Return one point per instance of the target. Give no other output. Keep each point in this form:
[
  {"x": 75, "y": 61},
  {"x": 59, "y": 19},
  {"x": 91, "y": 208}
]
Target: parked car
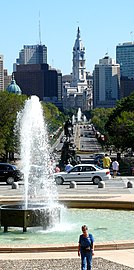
[
  {"x": 9, "y": 173},
  {"x": 83, "y": 173}
]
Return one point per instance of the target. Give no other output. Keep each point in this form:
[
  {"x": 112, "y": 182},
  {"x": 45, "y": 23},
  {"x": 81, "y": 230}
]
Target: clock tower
[{"x": 79, "y": 69}]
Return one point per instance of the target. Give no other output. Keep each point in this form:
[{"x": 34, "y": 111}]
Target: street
[{"x": 112, "y": 186}]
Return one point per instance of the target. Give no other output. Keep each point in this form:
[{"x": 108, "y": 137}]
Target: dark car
[{"x": 9, "y": 173}]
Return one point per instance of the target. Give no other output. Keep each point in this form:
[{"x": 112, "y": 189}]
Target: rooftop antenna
[
  {"x": 106, "y": 54},
  {"x": 77, "y": 23},
  {"x": 132, "y": 37},
  {"x": 39, "y": 30},
  {"x": 78, "y": 30},
  {"x": 52, "y": 63}
]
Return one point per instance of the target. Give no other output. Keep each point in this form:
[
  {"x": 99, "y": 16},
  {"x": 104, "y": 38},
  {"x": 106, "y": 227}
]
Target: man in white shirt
[{"x": 115, "y": 167}]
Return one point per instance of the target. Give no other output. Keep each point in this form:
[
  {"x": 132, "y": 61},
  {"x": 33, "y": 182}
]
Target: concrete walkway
[
  {"x": 123, "y": 254},
  {"x": 125, "y": 257}
]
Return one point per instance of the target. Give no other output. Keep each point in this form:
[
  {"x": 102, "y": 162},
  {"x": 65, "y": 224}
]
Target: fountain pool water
[
  {"x": 40, "y": 191},
  {"x": 106, "y": 225}
]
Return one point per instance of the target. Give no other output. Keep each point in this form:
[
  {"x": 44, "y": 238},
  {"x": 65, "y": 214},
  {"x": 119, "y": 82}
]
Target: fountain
[
  {"x": 84, "y": 119},
  {"x": 73, "y": 119},
  {"x": 79, "y": 114},
  {"x": 105, "y": 224},
  {"x": 40, "y": 206}
]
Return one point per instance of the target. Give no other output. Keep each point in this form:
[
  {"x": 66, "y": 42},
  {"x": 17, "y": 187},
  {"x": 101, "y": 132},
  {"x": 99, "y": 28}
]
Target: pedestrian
[
  {"x": 100, "y": 162},
  {"x": 57, "y": 169},
  {"x": 68, "y": 167},
  {"x": 106, "y": 162},
  {"x": 115, "y": 167},
  {"x": 86, "y": 248}
]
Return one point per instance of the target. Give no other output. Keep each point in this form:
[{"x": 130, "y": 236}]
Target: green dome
[{"x": 14, "y": 88}]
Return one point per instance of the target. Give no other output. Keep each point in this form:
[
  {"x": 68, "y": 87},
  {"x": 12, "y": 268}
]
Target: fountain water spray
[
  {"x": 84, "y": 119},
  {"x": 34, "y": 153},
  {"x": 73, "y": 119},
  {"x": 79, "y": 114},
  {"x": 40, "y": 207}
]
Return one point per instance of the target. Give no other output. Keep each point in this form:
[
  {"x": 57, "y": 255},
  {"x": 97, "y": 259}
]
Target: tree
[
  {"x": 53, "y": 116},
  {"x": 10, "y": 104},
  {"x": 99, "y": 117},
  {"x": 120, "y": 125}
]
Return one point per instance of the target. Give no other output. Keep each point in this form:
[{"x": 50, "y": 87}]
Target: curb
[{"x": 112, "y": 245}]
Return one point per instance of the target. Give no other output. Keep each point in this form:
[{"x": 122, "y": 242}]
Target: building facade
[
  {"x": 32, "y": 54},
  {"x": 1, "y": 73},
  {"x": 7, "y": 79},
  {"x": 40, "y": 80},
  {"x": 125, "y": 57},
  {"x": 106, "y": 90},
  {"x": 75, "y": 89}
]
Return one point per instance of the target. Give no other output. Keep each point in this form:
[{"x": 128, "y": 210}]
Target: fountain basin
[
  {"x": 104, "y": 224},
  {"x": 33, "y": 216}
]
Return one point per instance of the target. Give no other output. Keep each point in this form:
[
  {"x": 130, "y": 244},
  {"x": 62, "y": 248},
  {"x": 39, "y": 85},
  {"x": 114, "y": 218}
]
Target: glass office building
[
  {"x": 125, "y": 57},
  {"x": 32, "y": 54},
  {"x": 106, "y": 90}
]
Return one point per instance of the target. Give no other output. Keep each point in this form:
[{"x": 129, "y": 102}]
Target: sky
[{"x": 103, "y": 25}]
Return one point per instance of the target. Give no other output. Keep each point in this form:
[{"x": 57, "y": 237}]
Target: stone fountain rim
[
  {"x": 111, "y": 202},
  {"x": 109, "y": 245},
  {"x": 21, "y": 207}
]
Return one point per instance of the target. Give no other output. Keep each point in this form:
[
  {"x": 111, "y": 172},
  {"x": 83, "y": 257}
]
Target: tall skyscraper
[
  {"x": 106, "y": 83},
  {"x": 1, "y": 73},
  {"x": 32, "y": 54},
  {"x": 125, "y": 57}
]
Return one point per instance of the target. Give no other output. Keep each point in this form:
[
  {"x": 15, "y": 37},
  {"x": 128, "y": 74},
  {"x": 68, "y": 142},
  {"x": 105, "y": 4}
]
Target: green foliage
[
  {"x": 99, "y": 117},
  {"x": 125, "y": 104},
  {"x": 53, "y": 116},
  {"x": 120, "y": 125},
  {"x": 70, "y": 112},
  {"x": 117, "y": 124},
  {"x": 10, "y": 104}
]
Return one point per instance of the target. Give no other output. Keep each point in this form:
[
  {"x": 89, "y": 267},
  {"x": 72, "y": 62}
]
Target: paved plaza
[{"x": 111, "y": 255}]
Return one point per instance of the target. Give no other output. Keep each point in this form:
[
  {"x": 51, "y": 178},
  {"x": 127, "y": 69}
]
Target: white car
[{"x": 83, "y": 173}]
